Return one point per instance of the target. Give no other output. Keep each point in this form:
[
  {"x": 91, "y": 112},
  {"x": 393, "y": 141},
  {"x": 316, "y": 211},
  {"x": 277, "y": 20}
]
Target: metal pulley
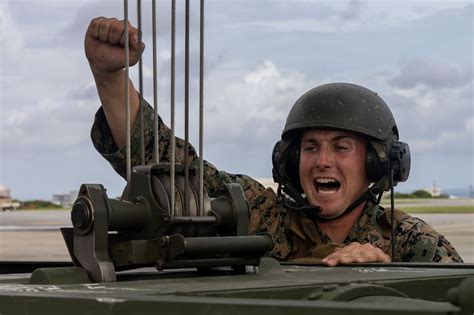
[{"x": 139, "y": 229}]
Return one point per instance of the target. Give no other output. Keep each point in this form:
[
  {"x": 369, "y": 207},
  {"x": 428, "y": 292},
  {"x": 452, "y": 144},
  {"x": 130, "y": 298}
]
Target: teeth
[
  {"x": 326, "y": 192},
  {"x": 327, "y": 185},
  {"x": 326, "y": 180}
]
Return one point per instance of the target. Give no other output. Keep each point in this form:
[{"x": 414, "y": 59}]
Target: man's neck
[{"x": 339, "y": 229}]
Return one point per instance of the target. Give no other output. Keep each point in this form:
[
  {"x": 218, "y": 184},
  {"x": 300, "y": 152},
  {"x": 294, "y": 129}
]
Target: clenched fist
[{"x": 104, "y": 45}]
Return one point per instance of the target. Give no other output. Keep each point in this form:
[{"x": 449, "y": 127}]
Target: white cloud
[
  {"x": 469, "y": 126},
  {"x": 253, "y": 101},
  {"x": 165, "y": 54},
  {"x": 435, "y": 114},
  {"x": 345, "y": 16},
  {"x": 10, "y": 36},
  {"x": 422, "y": 95},
  {"x": 47, "y": 126},
  {"x": 439, "y": 142},
  {"x": 424, "y": 73}
]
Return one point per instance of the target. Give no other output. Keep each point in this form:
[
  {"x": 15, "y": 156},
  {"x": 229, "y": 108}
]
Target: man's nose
[{"x": 325, "y": 159}]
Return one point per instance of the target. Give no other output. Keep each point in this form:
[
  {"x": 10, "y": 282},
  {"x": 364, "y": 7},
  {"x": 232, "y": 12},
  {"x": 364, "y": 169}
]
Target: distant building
[
  {"x": 6, "y": 202},
  {"x": 4, "y": 192},
  {"x": 433, "y": 191},
  {"x": 65, "y": 200}
]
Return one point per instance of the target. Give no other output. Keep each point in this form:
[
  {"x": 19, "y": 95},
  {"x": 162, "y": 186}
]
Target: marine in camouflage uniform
[{"x": 295, "y": 235}]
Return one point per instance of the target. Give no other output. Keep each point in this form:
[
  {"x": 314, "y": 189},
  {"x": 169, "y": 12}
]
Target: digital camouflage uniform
[{"x": 295, "y": 236}]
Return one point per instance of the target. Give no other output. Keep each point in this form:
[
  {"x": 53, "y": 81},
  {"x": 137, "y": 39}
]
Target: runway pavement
[{"x": 34, "y": 235}]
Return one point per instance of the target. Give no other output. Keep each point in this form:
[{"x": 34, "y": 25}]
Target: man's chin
[
  {"x": 329, "y": 213},
  {"x": 330, "y": 207}
]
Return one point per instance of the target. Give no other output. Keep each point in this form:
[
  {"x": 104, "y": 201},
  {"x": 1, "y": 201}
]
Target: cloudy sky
[{"x": 260, "y": 56}]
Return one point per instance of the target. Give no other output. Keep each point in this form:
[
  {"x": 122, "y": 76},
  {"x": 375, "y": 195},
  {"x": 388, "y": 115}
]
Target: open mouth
[{"x": 326, "y": 185}]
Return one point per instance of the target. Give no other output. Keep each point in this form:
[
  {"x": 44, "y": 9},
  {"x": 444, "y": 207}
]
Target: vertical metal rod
[
  {"x": 186, "y": 106},
  {"x": 140, "y": 83},
  {"x": 127, "y": 94},
  {"x": 201, "y": 108},
  {"x": 155, "y": 88},
  {"x": 173, "y": 139}
]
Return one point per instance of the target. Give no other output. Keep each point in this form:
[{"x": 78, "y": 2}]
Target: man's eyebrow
[
  {"x": 312, "y": 140},
  {"x": 342, "y": 137},
  {"x": 334, "y": 139}
]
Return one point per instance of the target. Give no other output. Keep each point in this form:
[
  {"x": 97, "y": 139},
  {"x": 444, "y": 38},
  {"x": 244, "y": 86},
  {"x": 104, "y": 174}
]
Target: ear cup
[
  {"x": 285, "y": 160},
  {"x": 401, "y": 161},
  {"x": 292, "y": 164},
  {"x": 278, "y": 170}
]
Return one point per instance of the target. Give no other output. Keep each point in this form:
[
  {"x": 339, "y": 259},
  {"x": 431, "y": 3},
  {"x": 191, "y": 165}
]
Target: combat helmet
[{"x": 349, "y": 107}]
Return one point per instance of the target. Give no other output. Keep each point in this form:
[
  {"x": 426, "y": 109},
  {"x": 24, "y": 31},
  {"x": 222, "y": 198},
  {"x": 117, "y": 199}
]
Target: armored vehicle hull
[{"x": 270, "y": 288}]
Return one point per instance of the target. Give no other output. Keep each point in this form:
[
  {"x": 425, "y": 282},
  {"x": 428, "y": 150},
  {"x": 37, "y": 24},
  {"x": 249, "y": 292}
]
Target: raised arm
[
  {"x": 105, "y": 51},
  {"x": 104, "y": 48}
]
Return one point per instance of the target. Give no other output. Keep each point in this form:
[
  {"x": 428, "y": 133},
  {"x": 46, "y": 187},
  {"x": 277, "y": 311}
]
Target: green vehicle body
[{"x": 269, "y": 289}]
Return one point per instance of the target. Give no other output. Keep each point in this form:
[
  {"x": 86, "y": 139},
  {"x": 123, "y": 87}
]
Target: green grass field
[
  {"x": 386, "y": 201},
  {"x": 432, "y": 208},
  {"x": 439, "y": 209},
  {"x": 423, "y": 205}
]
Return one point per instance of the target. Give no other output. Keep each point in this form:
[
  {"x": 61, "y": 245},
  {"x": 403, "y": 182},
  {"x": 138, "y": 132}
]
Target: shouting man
[{"x": 338, "y": 152}]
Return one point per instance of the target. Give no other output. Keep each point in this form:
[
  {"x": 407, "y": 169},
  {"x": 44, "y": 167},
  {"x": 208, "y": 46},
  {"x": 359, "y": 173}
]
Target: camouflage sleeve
[
  {"x": 421, "y": 243},
  {"x": 261, "y": 200},
  {"x": 104, "y": 143}
]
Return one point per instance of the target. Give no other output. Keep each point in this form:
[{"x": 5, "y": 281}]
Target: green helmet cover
[{"x": 342, "y": 106}]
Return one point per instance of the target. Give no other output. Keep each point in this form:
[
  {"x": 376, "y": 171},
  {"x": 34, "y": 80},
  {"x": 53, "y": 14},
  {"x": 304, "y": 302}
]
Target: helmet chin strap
[
  {"x": 299, "y": 204},
  {"x": 373, "y": 193}
]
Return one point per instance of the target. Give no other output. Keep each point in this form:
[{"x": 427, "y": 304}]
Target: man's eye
[
  {"x": 341, "y": 148},
  {"x": 309, "y": 148}
]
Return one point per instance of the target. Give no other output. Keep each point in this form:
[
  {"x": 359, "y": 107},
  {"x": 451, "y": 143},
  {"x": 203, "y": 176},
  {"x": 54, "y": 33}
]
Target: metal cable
[
  {"x": 186, "y": 107},
  {"x": 173, "y": 139},
  {"x": 155, "y": 88},
  {"x": 201, "y": 109},
  {"x": 127, "y": 94},
  {"x": 140, "y": 83}
]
